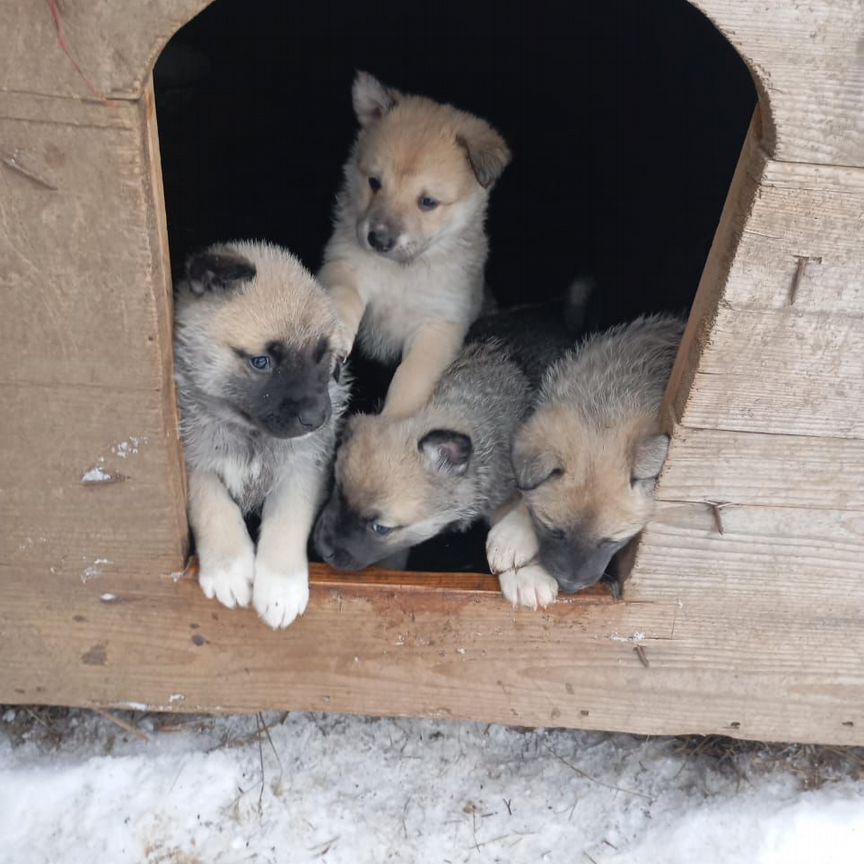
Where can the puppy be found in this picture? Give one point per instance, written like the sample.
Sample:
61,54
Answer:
405,262
588,458
402,480
260,400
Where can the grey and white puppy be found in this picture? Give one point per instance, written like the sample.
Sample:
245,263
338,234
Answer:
260,400
588,458
402,480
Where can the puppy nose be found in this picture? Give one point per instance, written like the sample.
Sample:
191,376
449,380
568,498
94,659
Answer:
312,419
381,240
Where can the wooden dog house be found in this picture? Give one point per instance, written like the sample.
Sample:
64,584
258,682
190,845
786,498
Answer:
746,598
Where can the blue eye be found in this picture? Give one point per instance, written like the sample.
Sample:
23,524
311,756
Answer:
261,363
374,184
425,202
379,529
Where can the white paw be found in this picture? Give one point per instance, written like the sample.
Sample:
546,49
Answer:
530,586
279,596
342,341
228,579
511,543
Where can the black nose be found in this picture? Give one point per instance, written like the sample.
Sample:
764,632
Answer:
312,419
381,240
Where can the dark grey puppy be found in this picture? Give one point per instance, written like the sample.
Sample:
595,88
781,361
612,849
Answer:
260,400
401,480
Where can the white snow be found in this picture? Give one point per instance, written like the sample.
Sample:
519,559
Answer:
348,790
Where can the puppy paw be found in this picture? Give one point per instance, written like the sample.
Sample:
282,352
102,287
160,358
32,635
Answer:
228,579
342,342
529,586
279,596
511,543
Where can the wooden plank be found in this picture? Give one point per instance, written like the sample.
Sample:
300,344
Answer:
749,468
803,244
114,44
779,558
803,56
805,59
780,373
91,283
411,580
376,648
753,361
90,469
86,482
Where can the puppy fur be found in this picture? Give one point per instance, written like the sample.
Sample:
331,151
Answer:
402,480
588,458
405,262
255,438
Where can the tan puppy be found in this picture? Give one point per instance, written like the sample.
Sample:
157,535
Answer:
405,262
588,458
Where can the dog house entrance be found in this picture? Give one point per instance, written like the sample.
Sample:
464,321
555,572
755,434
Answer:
625,119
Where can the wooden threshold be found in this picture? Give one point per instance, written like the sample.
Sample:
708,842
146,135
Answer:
324,576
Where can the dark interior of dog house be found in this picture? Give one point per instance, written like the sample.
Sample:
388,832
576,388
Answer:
625,119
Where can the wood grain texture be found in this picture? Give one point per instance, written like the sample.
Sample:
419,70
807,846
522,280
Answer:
782,373
128,517
802,213
751,468
85,343
86,284
806,61
789,556
767,348
386,649
115,43
804,57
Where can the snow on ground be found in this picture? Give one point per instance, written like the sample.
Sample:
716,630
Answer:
77,789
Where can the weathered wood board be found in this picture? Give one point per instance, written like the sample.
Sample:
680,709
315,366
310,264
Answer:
91,472
806,61
757,469
463,653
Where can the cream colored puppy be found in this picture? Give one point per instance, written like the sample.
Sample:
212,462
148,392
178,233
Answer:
405,263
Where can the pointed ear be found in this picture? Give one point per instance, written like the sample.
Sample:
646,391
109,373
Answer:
217,271
534,469
446,451
487,152
649,458
372,100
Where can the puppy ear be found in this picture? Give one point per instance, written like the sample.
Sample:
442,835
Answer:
488,153
534,469
649,458
217,271
372,100
446,451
